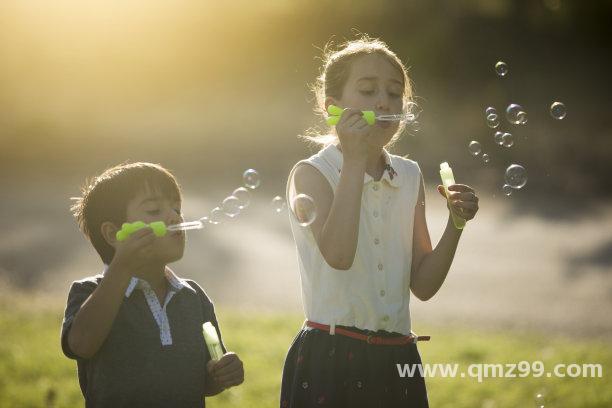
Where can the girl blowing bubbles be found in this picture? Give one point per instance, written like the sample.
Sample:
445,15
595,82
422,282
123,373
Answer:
369,245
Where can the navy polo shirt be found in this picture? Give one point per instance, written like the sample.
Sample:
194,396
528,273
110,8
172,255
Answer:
132,368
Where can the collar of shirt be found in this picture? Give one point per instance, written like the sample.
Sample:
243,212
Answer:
176,283
334,155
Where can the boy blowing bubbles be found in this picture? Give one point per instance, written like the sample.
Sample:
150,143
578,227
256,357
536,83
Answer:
135,330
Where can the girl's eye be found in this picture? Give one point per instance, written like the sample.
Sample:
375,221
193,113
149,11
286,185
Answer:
395,95
366,92
153,212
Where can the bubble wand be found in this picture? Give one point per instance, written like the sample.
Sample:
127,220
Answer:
335,113
159,228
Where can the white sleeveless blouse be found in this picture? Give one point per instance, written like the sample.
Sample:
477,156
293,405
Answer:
374,293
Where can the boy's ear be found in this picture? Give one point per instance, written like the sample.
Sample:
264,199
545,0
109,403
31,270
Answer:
109,230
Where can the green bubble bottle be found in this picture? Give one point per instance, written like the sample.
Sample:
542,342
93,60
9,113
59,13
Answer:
212,341
446,174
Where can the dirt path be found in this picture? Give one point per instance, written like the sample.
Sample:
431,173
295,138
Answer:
516,271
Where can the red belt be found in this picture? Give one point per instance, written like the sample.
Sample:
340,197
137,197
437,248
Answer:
378,340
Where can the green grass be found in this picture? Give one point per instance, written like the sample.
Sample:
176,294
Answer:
33,369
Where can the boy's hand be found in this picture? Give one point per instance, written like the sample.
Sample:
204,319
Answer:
135,252
462,200
226,372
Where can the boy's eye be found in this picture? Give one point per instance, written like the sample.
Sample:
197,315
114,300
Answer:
395,95
153,212
367,92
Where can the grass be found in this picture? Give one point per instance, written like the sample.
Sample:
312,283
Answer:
34,373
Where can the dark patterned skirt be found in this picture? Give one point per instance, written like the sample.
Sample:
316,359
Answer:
336,371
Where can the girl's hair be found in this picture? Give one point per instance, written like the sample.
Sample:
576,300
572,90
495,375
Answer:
335,72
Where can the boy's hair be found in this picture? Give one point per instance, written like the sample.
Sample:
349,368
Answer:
105,198
335,72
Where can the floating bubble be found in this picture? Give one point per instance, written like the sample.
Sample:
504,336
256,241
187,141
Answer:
515,113
415,125
204,220
490,110
516,176
539,400
498,137
507,139
278,204
231,206
251,179
243,196
216,216
475,148
507,189
501,68
522,118
492,120
486,158
557,110
305,210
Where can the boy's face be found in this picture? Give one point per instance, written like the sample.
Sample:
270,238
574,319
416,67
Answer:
375,84
151,205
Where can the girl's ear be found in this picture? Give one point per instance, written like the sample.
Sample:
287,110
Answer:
109,230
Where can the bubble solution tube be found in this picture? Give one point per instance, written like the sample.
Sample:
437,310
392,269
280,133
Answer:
446,174
212,341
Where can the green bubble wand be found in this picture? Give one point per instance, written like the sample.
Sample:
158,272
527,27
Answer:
335,113
159,228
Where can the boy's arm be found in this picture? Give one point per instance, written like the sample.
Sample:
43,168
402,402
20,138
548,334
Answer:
94,319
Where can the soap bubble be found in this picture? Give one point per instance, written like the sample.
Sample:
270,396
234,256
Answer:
557,110
492,120
251,179
507,190
490,110
498,137
243,196
305,210
204,220
507,139
515,113
216,216
415,125
522,118
501,68
475,148
539,400
231,206
486,158
516,176
278,204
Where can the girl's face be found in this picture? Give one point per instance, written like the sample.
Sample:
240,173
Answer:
375,84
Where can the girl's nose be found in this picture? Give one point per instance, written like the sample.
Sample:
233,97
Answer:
382,104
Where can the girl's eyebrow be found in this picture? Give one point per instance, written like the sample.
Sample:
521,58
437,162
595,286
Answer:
375,78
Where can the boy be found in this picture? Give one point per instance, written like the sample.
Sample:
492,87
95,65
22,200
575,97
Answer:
136,329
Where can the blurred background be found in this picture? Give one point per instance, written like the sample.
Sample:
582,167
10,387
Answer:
210,89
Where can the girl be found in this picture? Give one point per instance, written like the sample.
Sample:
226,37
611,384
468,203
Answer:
368,246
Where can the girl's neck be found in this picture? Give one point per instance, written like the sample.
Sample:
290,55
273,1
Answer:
375,162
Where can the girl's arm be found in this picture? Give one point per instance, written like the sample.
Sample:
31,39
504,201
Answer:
430,267
336,227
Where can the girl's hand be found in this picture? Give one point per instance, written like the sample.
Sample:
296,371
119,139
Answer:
353,132
462,200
